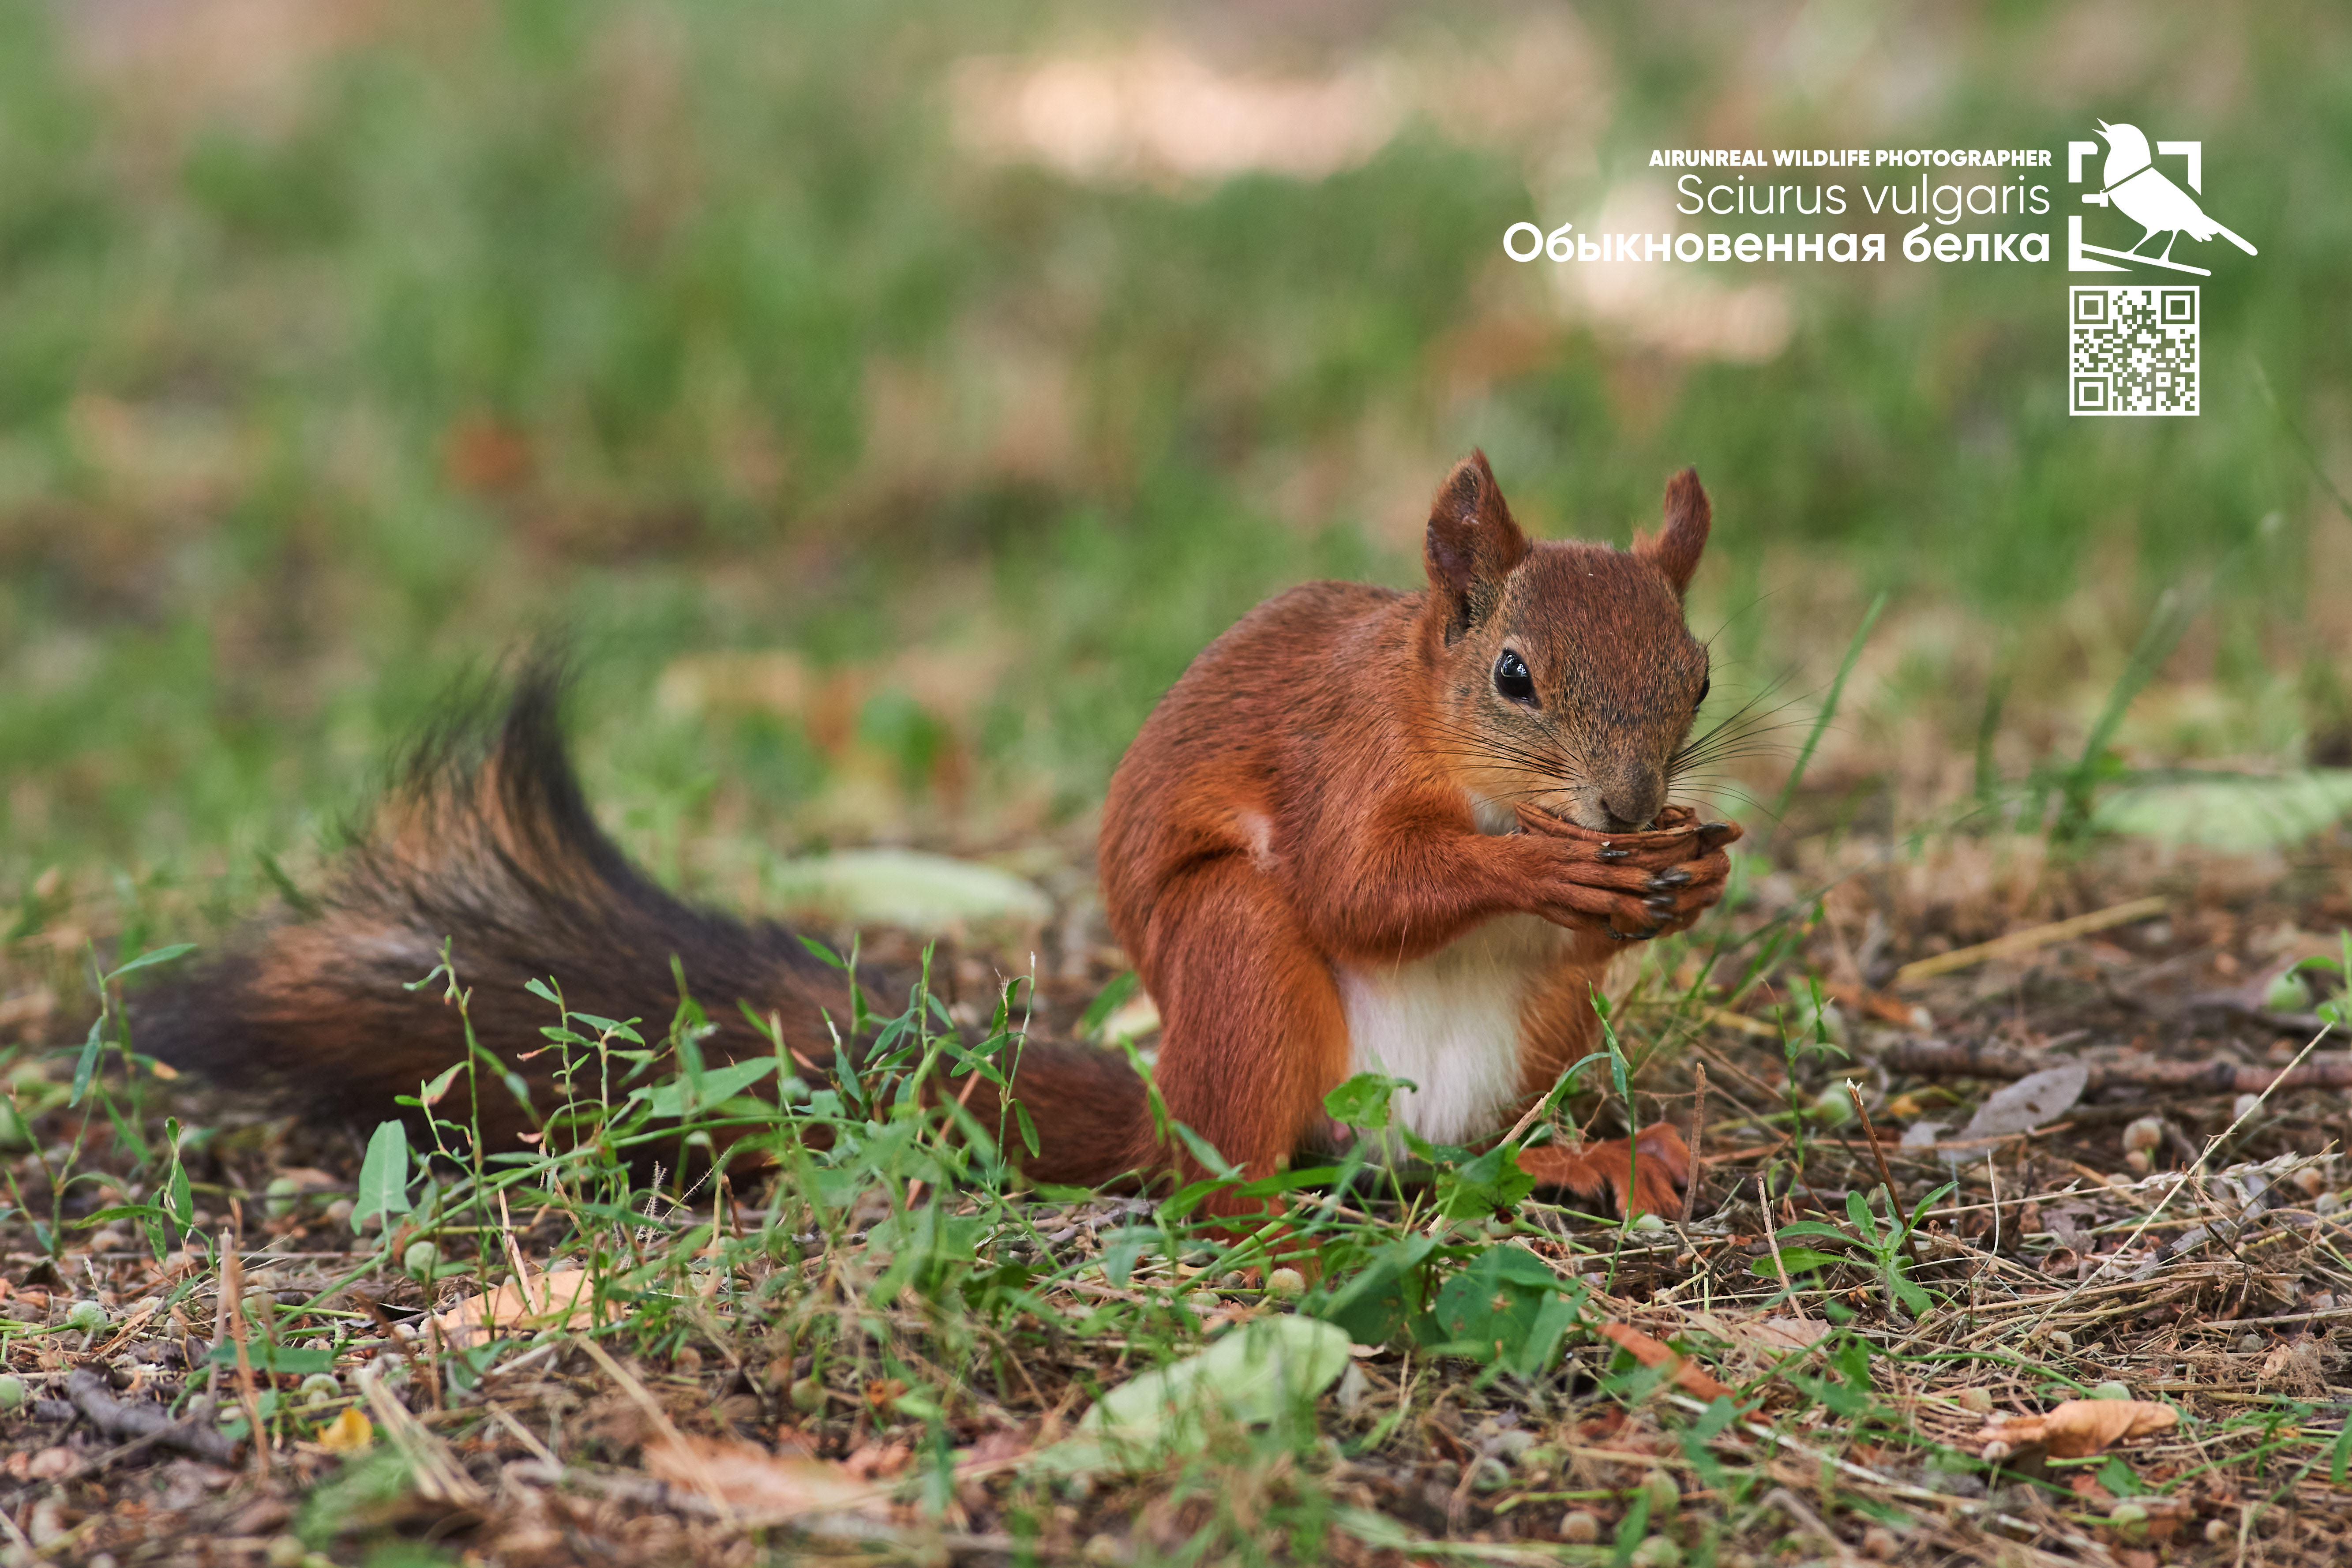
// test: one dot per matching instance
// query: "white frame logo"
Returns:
(2131, 183)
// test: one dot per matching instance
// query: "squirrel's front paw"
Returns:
(1633, 885)
(1683, 892)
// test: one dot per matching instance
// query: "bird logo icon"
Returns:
(2132, 185)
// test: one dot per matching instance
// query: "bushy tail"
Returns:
(488, 843)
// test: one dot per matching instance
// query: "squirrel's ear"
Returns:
(1471, 545)
(1674, 549)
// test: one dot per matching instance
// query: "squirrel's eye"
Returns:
(1706, 685)
(1512, 679)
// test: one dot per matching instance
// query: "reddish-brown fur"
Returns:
(1302, 810)
(1303, 801)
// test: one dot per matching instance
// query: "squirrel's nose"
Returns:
(1632, 801)
(1622, 822)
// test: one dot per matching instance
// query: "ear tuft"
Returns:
(1675, 549)
(1471, 546)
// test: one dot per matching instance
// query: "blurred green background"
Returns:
(891, 399)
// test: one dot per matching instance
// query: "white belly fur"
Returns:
(1450, 1022)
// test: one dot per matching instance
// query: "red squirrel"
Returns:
(1366, 830)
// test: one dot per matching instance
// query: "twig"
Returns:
(233, 1300)
(1947, 1059)
(1894, 1198)
(220, 1332)
(538, 1449)
(144, 1424)
(2197, 1169)
(127, 1329)
(1805, 1518)
(1526, 1120)
(703, 1479)
(653, 1493)
(1740, 1021)
(1772, 1237)
(16, 1533)
(436, 1470)
(2026, 940)
(1697, 1146)
(1993, 1180)
(1981, 1511)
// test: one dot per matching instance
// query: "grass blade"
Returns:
(1829, 708)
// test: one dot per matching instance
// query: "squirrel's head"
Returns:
(1567, 679)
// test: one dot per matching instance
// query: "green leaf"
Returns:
(1815, 1228)
(1857, 1209)
(1719, 1414)
(1512, 1306)
(1910, 1294)
(432, 1092)
(2232, 812)
(177, 1195)
(1383, 1300)
(1493, 1181)
(1630, 1529)
(1796, 1259)
(1252, 1375)
(368, 1486)
(1212, 1160)
(909, 889)
(674, 1100)
(1363, 1101)
(1107, 1001)
(1840, 1399)
(267, 1357)
(154, 956)
(85, 1066)
(1911, 1221)
(384, 1174)
(1123, 1247)
(2121, 1478)
(1829, 710)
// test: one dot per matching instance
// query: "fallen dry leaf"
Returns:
(1878, 1005)
(995, 1447)
(350, 1433)
(2081, 1427)
(878, 1461)
(1768, 1336)
(1780, 1333)
(2297, 1367)
(560, 1298)
(753, 1482)
(1691, 1377)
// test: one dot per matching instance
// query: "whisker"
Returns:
(1490, 748)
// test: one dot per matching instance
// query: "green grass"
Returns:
(897, 1291)
(578, 317)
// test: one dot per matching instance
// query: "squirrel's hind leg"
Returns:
(1251, 1034)
(1642, 1176)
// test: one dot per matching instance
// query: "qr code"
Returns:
(2132, 351)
